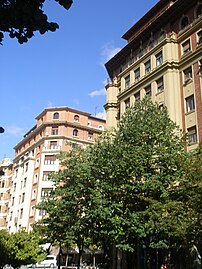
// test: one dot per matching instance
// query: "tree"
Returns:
(20, 248)
(21, 18)
(4, 236)
(126, 190)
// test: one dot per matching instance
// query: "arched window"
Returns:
(75, 132)
(184, 22)
(76, 118)
(56, 116)
(199, 11)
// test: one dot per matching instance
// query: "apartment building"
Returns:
(5, 187)
(163, 60)
(57, 129)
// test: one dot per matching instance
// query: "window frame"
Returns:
(56, 116)
(192, 133)
(147, 68)
(49, 160)
(159, 58)
(188, 74)
(127, 81)
(183, 23)
(190, 104)
(161, 88)
(75, 133)
(127, 103)
(76, 118)
(186, 46)
(137, 96)
(199, 37)
(148, 90)
(137, 74)
(54, 130)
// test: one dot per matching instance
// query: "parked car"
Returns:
(50, 261)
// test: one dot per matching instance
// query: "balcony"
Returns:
(52, 148)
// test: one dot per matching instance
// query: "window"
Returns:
(75, 132)
(25, 182)
(137, 74)
(127, 103)
(187, 74)
(35, 178)
(76, 118)
(159, 58)
(53, 144)
(192, 134)
(54, 130)
(162, 35)
(42, 212)
(127, 81)
(23, 197)
(74, 146)
(137, 96)
(148, 91)
(33, 195)
(45, 176)
(184, 23)
(26, 167)
(199, 36)
(32, 211)
(56, 116)
(147, 67)
(199, 11)
(90, 135)
(190, 104)
(101, 127)
(21, 213)
(186, 47)
(45, 192)
(160, 85)
(50, 159)
(200, 66)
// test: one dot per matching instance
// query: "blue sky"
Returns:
(64, 68)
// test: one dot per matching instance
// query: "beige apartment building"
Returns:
(162, 59)
(5, 188)
(57, 129)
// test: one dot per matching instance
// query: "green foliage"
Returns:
(4, 236)
(21, 18)
(20, 248)
(128, 189)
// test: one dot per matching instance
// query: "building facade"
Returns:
(163, 60)
(5, 188)
(57, 129)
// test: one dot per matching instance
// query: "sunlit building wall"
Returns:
(163, 60)
(5, 188)
(57, 129)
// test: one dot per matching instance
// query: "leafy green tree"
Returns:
(21, 18)
(191, 191)
(20, 248)
(126, 190)
(4, 236)
(65, 206)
